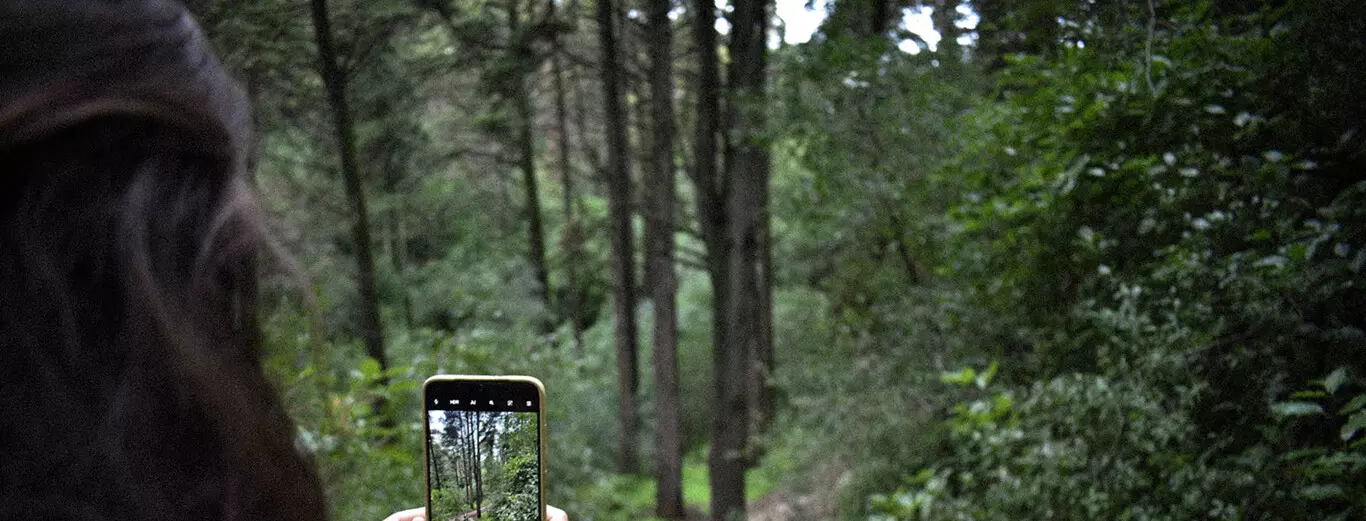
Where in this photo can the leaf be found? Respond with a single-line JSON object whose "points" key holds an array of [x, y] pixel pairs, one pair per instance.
{"points": [[1300, 251], [1334, 380], [369, 369], [1354, 425], [1272, 260], [1300, 454], [962, 377], [1320, 492], [1284, 409], [985, 378], [1356, 404]]}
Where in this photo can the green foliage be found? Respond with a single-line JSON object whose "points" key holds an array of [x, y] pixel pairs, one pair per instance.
{"points": [[1111, 266], [1170, 266]]}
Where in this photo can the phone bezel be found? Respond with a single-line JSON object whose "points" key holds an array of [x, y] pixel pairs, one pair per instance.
{"points": [[431, 386]]}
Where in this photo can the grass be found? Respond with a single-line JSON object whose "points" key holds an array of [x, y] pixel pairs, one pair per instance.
{"points": [[697, 489], [622, 497]]}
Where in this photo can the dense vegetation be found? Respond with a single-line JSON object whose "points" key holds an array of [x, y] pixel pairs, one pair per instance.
{"points": [[1080, 260]]}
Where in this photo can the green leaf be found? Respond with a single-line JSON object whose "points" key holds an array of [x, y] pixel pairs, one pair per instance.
{"points": [[985, 378], [1284, 409], [369, 369], [1300, 454], [1355, 424], [1334, 380], [966, 376], [1355, 405], [1320, 492]]}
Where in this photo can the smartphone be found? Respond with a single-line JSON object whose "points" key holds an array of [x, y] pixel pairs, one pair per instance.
{"points": [[485, 448]]}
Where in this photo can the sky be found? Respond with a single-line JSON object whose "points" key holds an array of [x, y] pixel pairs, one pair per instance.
{"points": [[801, 22]]}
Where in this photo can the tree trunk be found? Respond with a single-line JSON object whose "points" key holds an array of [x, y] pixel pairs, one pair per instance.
{"points": [[711, 197], [663, 284], [526, 150], [762, 364], [943, 17], [535, 228], [478, 471], [472, 461], [747, 177], [433, 468], [334, 80], [394, 172], [619, 215], [571, 237]]}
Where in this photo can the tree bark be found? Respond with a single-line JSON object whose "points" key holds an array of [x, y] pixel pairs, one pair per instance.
{"points": [[526, 149], [710, 190], [396, 244], [762, 364], [747, 167], [478, 470], [619, 215], [727, 473], [535, 228], [334, 81], [663, 284], [571, 237]]}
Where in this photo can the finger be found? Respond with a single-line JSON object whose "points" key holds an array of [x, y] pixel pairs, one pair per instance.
{"points": [[412, 514], [555, 514]]}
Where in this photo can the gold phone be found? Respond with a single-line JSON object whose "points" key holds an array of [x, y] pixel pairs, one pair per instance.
{"points": [[485, 447]]}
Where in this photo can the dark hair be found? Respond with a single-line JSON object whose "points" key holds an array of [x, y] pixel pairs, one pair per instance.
{"points": [[130, 376]]}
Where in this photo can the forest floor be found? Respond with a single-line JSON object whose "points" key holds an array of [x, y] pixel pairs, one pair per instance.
{"points": [[814, 500]]}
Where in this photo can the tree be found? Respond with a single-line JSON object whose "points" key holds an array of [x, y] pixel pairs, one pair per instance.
{"points": [[507, 60], [659, 231], [944, 17], [524, 60], [334, 80], [746, 172], [619, 210], [572, 234], [862, 18]]}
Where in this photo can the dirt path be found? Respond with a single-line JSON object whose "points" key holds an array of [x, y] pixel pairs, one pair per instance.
{"points": [[816, 501]]}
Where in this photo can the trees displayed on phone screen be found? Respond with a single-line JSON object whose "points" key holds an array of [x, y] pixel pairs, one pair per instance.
{"points": [[484, 465]]}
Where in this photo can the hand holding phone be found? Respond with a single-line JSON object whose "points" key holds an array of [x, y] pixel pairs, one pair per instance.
{"points": [[485, 439]]}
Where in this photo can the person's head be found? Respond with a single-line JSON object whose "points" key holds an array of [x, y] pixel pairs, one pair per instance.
{"points": [[130, 382]]}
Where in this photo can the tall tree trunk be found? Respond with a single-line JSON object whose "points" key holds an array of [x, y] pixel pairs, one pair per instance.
{"points": [[334, 80], [746, 173], [711, 196], [526, 150], [663, 285], [394, 172], [762, 364], [472, 461], [535, 228], [619, 215], [711, 190], [434, 468], [478, 471], [571, 238]]}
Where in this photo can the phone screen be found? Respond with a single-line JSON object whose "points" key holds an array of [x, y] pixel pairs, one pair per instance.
{"points": [[483, 450]]}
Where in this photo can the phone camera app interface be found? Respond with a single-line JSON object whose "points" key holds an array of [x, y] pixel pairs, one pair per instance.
{"points": [[484, 458]]}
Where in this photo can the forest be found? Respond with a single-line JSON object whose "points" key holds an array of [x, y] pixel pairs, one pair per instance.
{"points": [[484, 466], [825, 259]]}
